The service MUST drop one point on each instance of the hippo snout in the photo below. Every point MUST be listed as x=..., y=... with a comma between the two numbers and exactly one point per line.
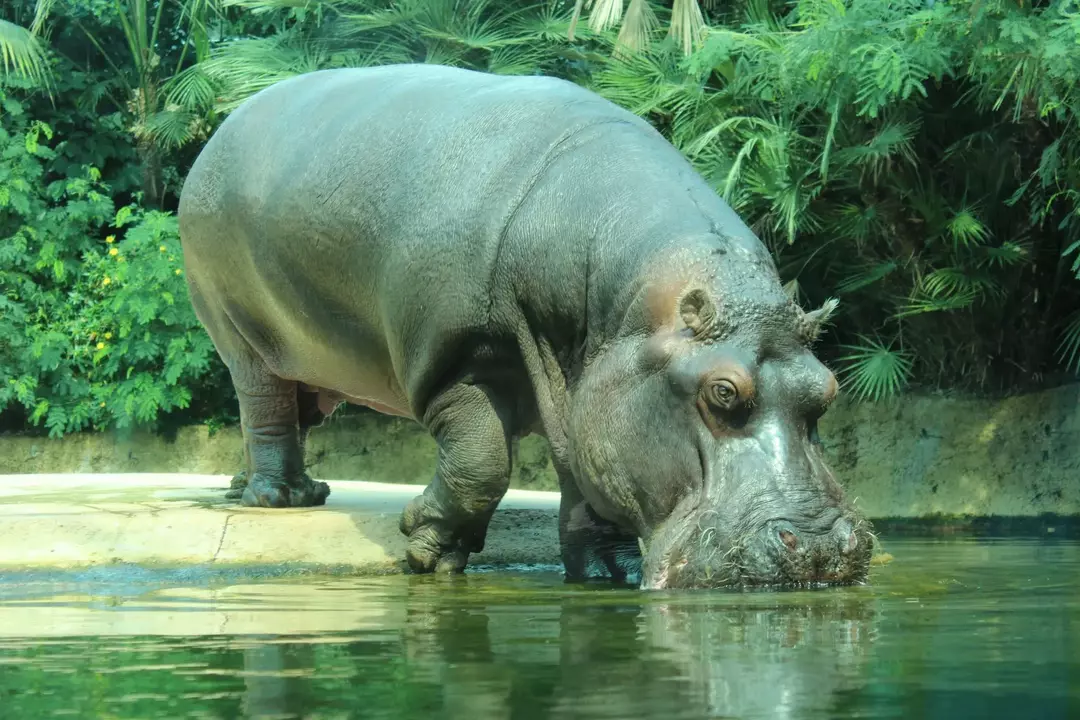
x=780, y=553
x=785, y=538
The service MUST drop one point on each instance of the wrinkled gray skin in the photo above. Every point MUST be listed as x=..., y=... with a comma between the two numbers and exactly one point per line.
x=495, y=256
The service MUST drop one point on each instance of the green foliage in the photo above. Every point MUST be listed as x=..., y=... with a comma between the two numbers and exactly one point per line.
x=21, y=53
x=97, y=331
x=917, y=159
x=504, y=38
x=874, y=371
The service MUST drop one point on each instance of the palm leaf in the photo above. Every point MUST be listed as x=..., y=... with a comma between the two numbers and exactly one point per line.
x=1068, y=349
x=22, y=54
x=873, y=370
x=168, y=128
x=966, y=230
x=470, y=24
x=1008, y=253
x=867, y=276
x=638, y=26
x=191, y=89
x=922, y=303
x=515, y=60
x=687, y=25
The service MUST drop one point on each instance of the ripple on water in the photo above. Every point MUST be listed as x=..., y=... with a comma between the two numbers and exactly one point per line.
x=949, y=628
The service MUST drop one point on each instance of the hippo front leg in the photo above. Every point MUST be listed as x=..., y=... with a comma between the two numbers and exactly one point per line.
x=269, y=418
x=585, y=536
x=450, y=519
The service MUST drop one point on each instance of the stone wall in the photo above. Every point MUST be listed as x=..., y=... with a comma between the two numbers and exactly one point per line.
x=916, y=456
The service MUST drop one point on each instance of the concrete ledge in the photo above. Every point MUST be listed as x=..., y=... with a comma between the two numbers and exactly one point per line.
x=66, y=521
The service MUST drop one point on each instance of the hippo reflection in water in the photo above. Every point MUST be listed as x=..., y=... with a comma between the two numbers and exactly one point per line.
x=498, y=256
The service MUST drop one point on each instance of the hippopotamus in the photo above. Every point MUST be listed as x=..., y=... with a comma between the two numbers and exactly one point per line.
x=496, y=256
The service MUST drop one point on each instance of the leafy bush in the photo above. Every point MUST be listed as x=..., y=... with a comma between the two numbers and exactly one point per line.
x=97, y=331
x=917, y=159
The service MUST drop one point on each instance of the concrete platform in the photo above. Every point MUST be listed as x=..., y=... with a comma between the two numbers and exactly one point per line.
x=58, y=521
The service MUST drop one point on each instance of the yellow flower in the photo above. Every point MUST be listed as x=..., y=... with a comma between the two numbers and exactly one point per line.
x=113, y=251
x=108, y=336
x=178, y=271
x=110, y=239
x=106, y=281
x=162, y=248
x=101, y=346
x=102, y=404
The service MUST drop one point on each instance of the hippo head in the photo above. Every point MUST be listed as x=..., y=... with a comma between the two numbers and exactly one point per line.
x=695, y=424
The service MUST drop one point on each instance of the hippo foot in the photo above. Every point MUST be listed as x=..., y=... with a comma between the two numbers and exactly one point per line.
x=302, y=492
x=434, y=544
x=237, y=485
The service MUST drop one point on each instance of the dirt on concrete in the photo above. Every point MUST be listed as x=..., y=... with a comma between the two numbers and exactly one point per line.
x=174, y=520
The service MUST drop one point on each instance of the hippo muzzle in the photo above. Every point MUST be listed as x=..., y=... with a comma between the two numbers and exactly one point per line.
x=702, y=551
x=771, y=515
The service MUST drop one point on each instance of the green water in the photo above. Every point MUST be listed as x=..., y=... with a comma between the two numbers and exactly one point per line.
x=949, y=629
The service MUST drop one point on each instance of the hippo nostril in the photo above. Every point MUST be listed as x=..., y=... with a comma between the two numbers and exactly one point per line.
x=846, y=537
x=852, y=542
x=789, y=539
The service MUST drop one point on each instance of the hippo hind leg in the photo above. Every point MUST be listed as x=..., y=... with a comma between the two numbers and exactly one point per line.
x=588, y=541
x=270, y=422
x=309, y=416
x=450, y=519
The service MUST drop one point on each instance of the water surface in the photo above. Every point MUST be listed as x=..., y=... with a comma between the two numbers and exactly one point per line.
x=968, y=628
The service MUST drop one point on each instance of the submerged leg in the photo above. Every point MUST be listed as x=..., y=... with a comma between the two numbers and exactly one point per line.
x=585, y=536
x=450, y=519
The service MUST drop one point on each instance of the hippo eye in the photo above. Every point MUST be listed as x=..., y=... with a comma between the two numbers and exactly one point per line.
x=723, y=394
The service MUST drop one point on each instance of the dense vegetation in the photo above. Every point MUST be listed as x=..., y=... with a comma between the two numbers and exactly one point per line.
x=917, y=159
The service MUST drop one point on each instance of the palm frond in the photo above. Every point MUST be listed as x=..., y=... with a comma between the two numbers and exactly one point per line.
x=891, y=143
x=515, y=60
x=966, y=230
x=687, y=25
x=192, y=88
x=1068, y=350
x=953, y=281
x=1007, y=254
x=22, y=54
x=638, y=26
x=922, y=303
x=547, y=22
x=866, y=276
x=605, y=14
x=474, y=24
x=872, y=370
x=170, y=128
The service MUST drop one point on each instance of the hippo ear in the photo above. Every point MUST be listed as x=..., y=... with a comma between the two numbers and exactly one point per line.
x=811, y=323
x=698, y=311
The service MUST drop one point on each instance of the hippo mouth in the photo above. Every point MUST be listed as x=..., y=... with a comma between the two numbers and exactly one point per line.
x=689, y=551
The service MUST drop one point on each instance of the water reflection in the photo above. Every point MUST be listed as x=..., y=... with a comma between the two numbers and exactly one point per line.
x=953, y=630
x=589, y=654
x=784, y=661
x=626, y=655
x=277, y=680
